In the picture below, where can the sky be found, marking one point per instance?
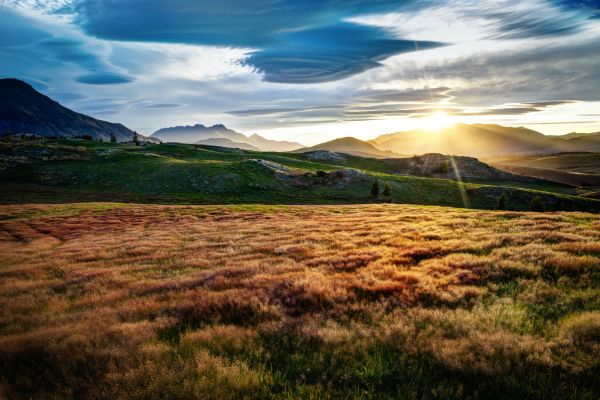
(311, 71)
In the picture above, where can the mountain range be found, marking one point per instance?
(485, 140)
(220, 135)
(25, 110)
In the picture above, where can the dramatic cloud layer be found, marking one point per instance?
(311, 70)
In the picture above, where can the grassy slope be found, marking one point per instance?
(569, 168)
(585, 163)
(184, 174)
(125, 301)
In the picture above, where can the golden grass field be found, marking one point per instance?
(124, 301)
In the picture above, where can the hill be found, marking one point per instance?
(577, 169)
(451, 167)
(226, 143)
(574, 135)
(483, 140)
(196, 133)
(349, 145)
(25, 110)
(78, 170)
(272, 145)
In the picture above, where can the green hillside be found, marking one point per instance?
(77, 170)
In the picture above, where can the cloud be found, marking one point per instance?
(296, 42)
(410, 95)
(161, 105)
(12, 32)
(590, 8)
(104, 79)
(69, 50)
(236, 23)
(329, 53)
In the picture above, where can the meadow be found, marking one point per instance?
(130, 301)
(67, 171)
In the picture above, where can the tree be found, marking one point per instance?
(501, 205)
(375, 189)
(113, 138)
(536, 204)
(136, 139)
(386, 190)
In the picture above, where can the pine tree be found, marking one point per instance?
(136, 140)
(386, 189)
(501, 203)
(113, 138)
(375, 189)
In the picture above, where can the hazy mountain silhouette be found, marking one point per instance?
(199, 132)
(484, 140)
(350, 145)
(221, 142)
(25, 110)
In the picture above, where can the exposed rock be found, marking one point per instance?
(325, 155)
(271, 165)
(339, 178)
(451, 167)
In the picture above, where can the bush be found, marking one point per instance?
(536, 204)
(442, 168)
(501, 205)
(375, 189)
(386, 189)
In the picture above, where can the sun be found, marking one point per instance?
(436, 121)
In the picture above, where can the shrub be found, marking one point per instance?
(375, 189)
(386, 189)
(536, 204)
(442, 168)
(501, 205)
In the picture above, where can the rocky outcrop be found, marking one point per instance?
(325, 155)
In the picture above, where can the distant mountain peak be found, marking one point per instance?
(350, 145)
(200, 133)
(482, 140)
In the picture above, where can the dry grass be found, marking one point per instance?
(102, 301)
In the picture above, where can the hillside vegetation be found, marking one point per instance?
(62, 170)
(578, 169)
(116, 301)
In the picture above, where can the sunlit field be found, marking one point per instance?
(227, 302)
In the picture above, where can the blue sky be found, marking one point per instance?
(312, 70)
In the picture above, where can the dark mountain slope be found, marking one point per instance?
(25, 110)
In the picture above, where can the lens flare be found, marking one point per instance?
(437, 121)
